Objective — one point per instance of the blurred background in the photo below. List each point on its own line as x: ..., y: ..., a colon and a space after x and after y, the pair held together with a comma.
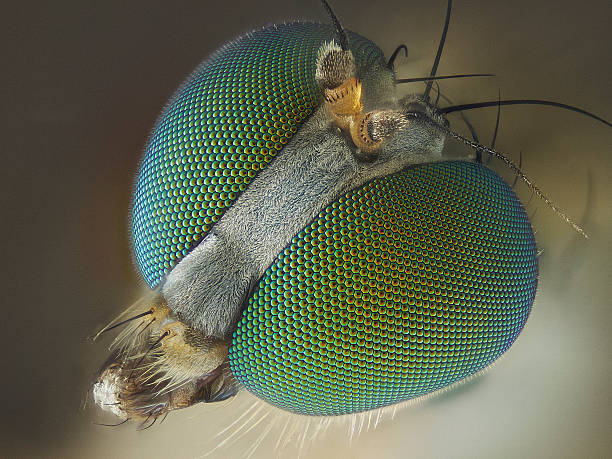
x: 82, y: 84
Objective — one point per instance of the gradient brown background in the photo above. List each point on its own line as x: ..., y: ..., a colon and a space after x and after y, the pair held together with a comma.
x: 82, y: 84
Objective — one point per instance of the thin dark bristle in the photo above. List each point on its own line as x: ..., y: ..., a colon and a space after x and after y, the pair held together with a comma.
x: 470, y: 128
x: 496, y: 120
x: 438, y: 96
x: 123, y: 322
x: 493, y: 103
x: 520, y: 165
x: 146, y: 326
x: 474, y: 137
x: 445, y: 77
x: 339, y: 30
x: 395, y: 53
x: 530, y: 199
x: 164, y: 334
x: 494, y: 139
x: 434, y: 68
x: 112, y: 425
x: 145, y: 422
x: 150, y: 425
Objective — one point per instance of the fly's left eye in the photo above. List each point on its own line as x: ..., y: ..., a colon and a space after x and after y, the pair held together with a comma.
x: 396, y: 290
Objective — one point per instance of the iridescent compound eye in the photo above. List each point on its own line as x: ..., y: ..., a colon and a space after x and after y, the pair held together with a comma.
x: 398, y: 289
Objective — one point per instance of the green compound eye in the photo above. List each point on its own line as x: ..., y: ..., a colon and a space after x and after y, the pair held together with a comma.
x: 400, y: 288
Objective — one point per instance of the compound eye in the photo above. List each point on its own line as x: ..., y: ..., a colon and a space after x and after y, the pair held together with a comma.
x: 367, y: 299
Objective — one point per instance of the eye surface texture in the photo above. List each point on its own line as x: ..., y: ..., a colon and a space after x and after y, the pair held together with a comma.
x: 403, y: 287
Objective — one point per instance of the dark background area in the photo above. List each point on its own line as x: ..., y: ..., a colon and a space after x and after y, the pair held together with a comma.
x: 82, y: 84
